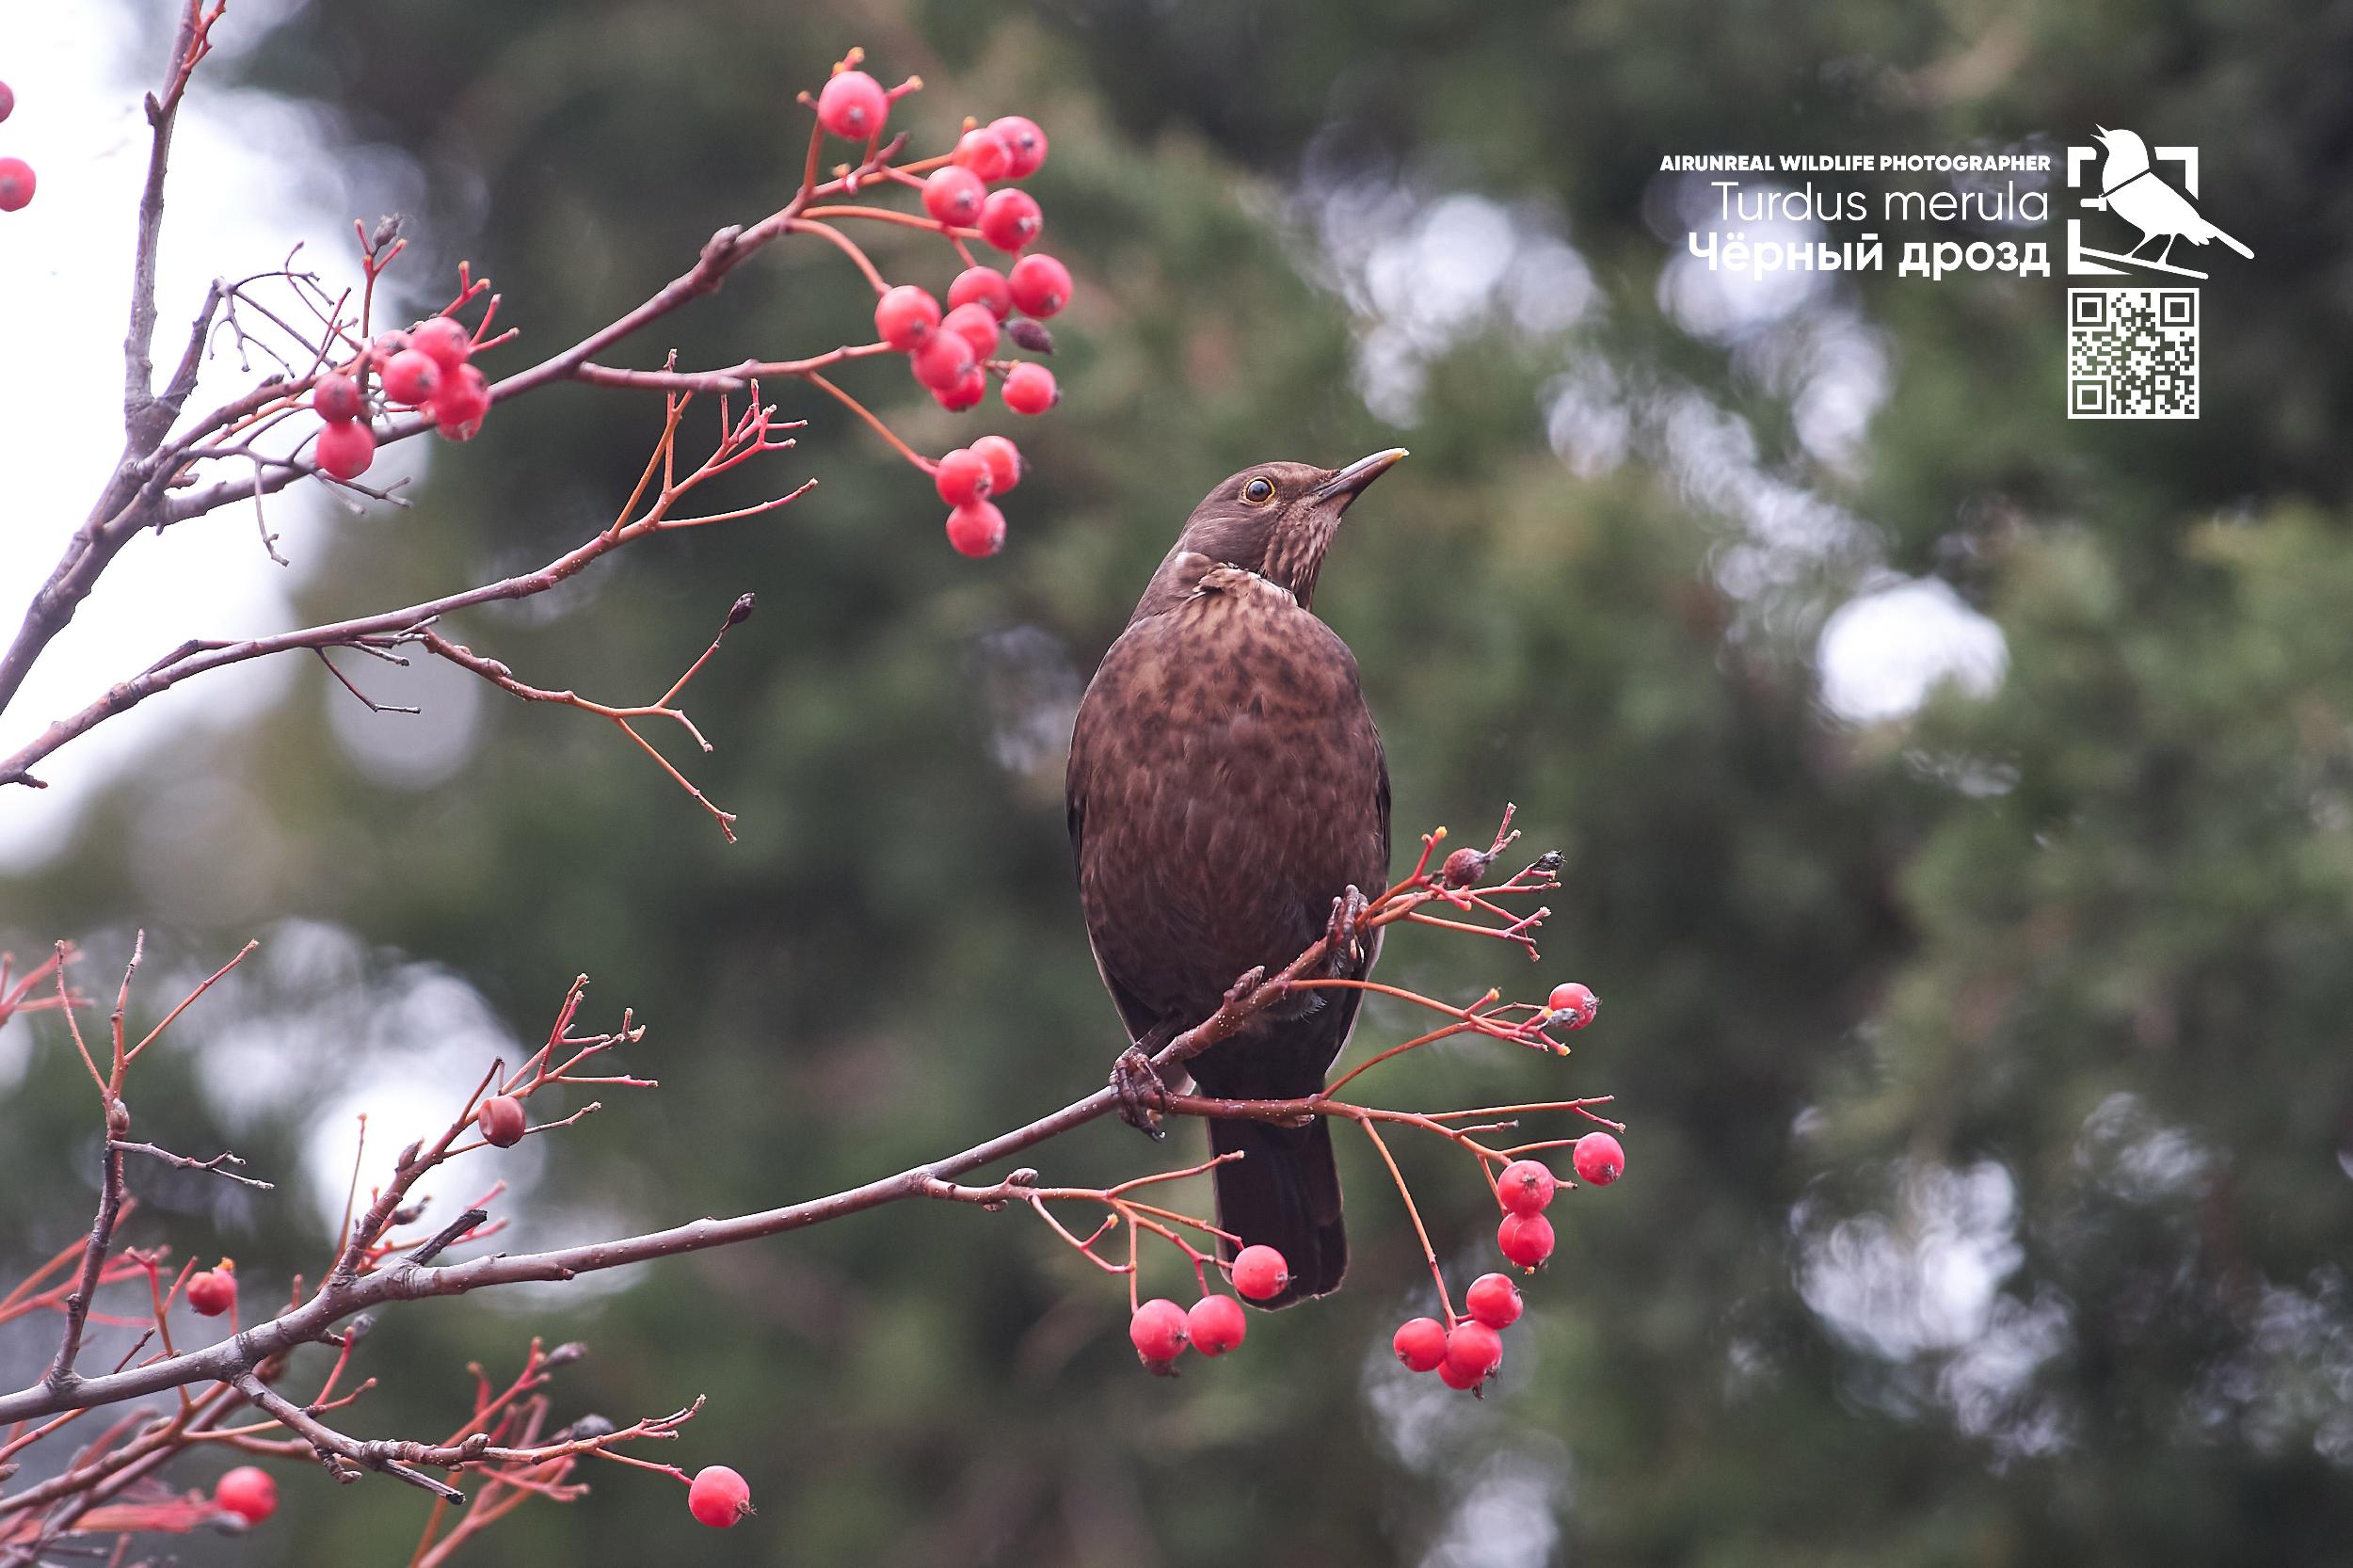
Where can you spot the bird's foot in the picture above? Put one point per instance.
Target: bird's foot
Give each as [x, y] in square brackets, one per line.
[1142, 1094]
[1343, 941]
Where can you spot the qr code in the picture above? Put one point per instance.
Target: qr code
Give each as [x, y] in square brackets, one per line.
[2131, 353]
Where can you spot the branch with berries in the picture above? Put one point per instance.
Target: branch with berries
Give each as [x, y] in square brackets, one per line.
[343, 388]
[509, 1449]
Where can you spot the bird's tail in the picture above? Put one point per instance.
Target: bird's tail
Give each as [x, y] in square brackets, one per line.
[2228, 241]
[1284, 1193]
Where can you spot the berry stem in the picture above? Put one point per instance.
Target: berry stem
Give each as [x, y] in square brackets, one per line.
[1513, 932]
[1428, 1253]
[848, 247]
[1373, 1062]
[816, 152]
[863, 412]
[886, 215]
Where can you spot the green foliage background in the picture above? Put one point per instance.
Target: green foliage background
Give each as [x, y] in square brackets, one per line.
[2032, 1003]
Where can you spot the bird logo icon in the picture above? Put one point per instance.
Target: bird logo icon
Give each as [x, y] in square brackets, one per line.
[2131, 187]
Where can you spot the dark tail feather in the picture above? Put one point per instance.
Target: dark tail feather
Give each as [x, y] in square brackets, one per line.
[1285, 1192]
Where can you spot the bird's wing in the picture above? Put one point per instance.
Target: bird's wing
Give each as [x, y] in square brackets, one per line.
[2155, 207]
[1080, 782]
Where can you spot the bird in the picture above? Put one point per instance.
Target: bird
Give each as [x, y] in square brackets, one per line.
[1229, 805]
[2131, 189]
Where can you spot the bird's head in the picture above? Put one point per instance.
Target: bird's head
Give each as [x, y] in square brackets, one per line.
[2125, 147]
[1278, 520]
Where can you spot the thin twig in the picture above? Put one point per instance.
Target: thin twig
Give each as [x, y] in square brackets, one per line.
[335, 1450]
[184, 1162]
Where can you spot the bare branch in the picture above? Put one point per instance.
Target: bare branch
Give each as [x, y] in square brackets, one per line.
[753, 434]
[335, 1450]
[214, 1164]
[347, 1291]
[115, 520]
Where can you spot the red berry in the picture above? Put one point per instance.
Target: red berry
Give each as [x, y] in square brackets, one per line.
[411, 376]
[1004, 462]
[1525, 1238]
[16, 184]
[447, 342]
[1420, 1343]
[246, 1492]
[213, 1291]
[1463, 868]
[500, 1119]
[943, 360]
[1473, 1350]
[853, 105]
[1455, 1378]
[1024, 142]
[1493, 1300]
[337, 399]
[975, 326]
[8, 101]
[1525, 1187]
[1010, 219]
[966, 393]
[977, 530]
[1598, 1159]
[1041, 286]
[460, 404]
[1030, 389]
[1578, 1001]
[1158, 1333]
[984, 152]
[718, 1495]
[385, 345]
[954, 195]
[345, 450]
[981, 285]
[1260, 1273]
[1215, 1325]
[904, 317]
[962, 477]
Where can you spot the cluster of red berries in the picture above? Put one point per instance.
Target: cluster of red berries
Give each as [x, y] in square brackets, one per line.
[425, 368]
[1465, 1352]
[16, 175]
[719, 1497]
[1525, 1189]
[965, 479]
[246, 1492]
[1160, 1330]
[953, 351]
[213, 1291]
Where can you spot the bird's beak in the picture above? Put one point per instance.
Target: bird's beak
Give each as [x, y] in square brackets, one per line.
[2100, 134]
[1350, 482]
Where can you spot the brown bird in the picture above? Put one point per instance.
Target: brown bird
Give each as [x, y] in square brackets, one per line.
[1229, 802]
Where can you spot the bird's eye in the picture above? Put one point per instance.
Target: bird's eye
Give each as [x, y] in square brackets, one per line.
[1257, 491]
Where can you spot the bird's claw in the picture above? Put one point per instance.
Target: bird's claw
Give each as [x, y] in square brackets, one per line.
[1343, 945]
[1142, 1094]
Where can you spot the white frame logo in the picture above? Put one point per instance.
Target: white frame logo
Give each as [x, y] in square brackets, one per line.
[2132, 186]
